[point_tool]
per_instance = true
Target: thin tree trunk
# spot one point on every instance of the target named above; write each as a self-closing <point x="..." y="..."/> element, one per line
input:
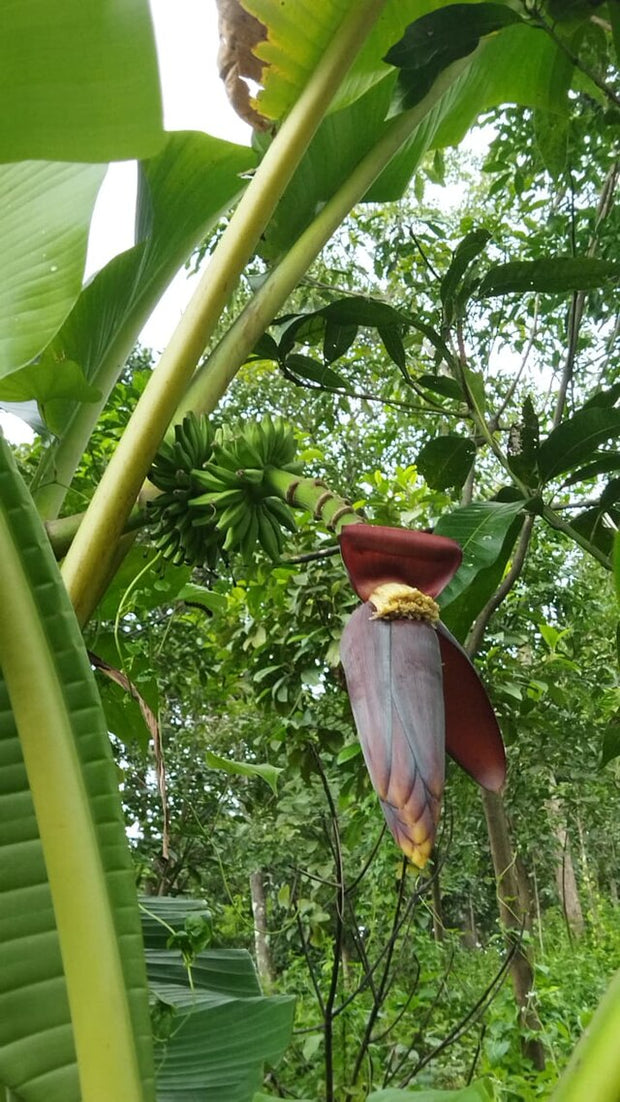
<point x="587" y="878"/>
<point x="538" y="914"/>
<point x="469" y="935"/>
<point x="264" y="962"/>
<point x="512" y="916"/>
<point x="565" y="878"/>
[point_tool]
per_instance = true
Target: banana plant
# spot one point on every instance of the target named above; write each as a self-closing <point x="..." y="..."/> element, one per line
<point x="82" y="90"/>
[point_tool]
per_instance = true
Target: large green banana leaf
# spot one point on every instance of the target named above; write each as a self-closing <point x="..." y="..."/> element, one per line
<point x="182" y="192"/>
<point x="45" y="212"/>
<point x="299" y="30"/>
<point x="298" y="33"/>
<point x="214" y="1034"/>
<point x="69" y="922"/>
<point x="517" y="65"/>
<point x="78" y="81"/>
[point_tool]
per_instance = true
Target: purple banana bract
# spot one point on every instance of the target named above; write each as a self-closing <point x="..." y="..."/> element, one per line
<point x="413" y="690"/>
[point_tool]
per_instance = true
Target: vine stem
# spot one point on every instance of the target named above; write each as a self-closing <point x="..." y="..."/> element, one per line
<point x="92" y="550"/>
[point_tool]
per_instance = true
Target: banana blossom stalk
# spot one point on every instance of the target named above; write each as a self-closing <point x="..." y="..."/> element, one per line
<point x="413" y="690"/>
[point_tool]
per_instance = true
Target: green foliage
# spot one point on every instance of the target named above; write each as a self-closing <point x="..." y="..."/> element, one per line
<point x="218" y="1048"/>
<point x="47" y="679"/>
<point x="46" y="211"/>
<point x="44" y="60"/>
<point x="423" y="382"/>
<point x="434" y="41"/>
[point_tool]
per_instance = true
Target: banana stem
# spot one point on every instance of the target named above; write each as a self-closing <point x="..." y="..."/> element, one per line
<point x="314" y="496"/>
<point x="61" y="533"/>
<point x="92" y="550"/>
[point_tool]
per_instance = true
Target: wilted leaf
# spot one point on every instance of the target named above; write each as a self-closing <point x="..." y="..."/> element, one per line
<point x="239" y="33"/>
<point x="152" y="726"/>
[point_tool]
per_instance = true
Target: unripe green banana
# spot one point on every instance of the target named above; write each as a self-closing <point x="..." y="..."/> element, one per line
<point x="280" y="511"/>
<point x="269" y="535"/>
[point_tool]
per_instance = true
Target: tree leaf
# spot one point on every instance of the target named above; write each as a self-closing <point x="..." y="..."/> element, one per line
<point x="606" y="397"/>
<point x="37" y="1056"/>
<point x="552" y="276"/>
<point x="485" y="532"/>
<point x="464" y="255"/>
<point x="48" y="383"/>
<point x="347" y="136"/>
<point x="298" y="37"/>
<point x="337" y="340"/>
<point x="80" y="83"/>
<point x="551" y="134"/>
<point x="163" y="916"/>
<point x="475" y="384"/>
<point x="393" y="344"/>
<point x="595" y="525"/>
<point x="437" y="39"/>
<point x="606" y="461"/>
<point x="442" y="384"/>
<point x="576" y="440"/>
<point x="475" y="1092"/>
<point x="199" y="595"/>
<point x="217" y="1029"/>
<point x="159" y="586"/>
<point x="445" y="461"/>
<point x="268" y="773"/>
<point x="315" y="372"/>
<point x="45" y="212"/>
<point x="611" y="745"/>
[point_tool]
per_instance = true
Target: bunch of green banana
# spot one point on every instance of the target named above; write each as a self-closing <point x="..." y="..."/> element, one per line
<point x="178" y="533"/>
<point x="214" y="493"/>
<point x="265" y="443"/>
<point x="247" y="512"/>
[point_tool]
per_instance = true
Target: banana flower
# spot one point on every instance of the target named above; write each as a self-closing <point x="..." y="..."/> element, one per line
<point x="413" y="690"/>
